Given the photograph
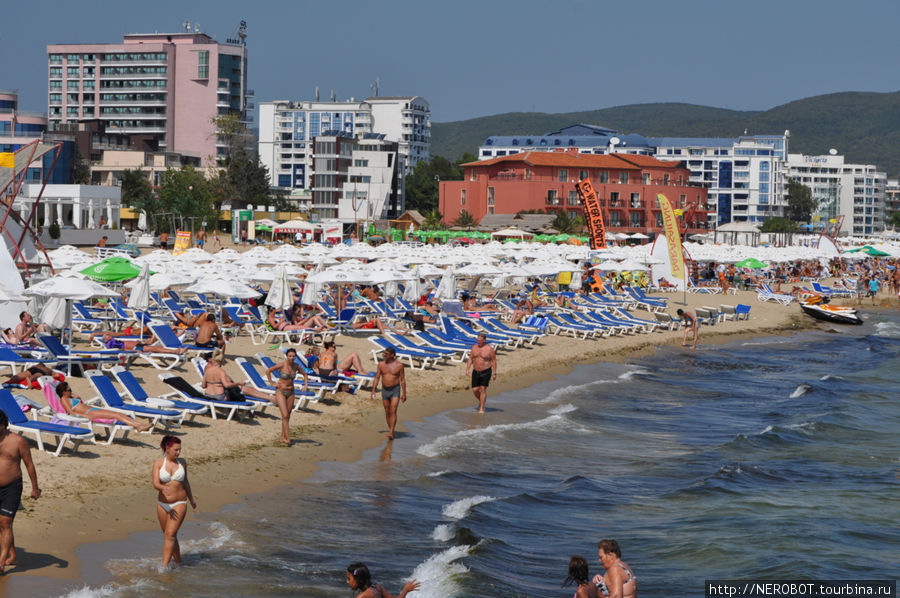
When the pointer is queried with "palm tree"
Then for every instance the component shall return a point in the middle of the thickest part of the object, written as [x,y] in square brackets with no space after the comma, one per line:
[563,223]
[433,220]
[464,220]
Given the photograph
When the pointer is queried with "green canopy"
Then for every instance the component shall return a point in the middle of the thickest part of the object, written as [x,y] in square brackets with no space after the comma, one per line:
[478,234]
[112,269]
[264,227]
[543,238]
[751,262]
[869,250]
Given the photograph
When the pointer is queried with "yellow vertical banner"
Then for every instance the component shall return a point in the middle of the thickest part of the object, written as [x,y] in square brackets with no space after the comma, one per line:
[7,160]
[593,214]
[182,242]
[673,237]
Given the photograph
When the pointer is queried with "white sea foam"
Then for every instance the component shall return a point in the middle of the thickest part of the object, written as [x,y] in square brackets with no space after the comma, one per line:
[564,392]
[443,532]
[766,430]
[88,592]
[888,329]
[766,342]
[476,436]
[438,575]
[567,408]
[437,474]
[460,508]
[830,377]
[801,390]
[220,538]
[632,373]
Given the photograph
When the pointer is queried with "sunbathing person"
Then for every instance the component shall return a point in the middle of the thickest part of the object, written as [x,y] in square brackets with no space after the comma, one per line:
[75,406]
[216,381]
[330,365]
[276,323]
[111,342]
[188,321]
[523,308]
[28,377]
[9,337]
[375,322]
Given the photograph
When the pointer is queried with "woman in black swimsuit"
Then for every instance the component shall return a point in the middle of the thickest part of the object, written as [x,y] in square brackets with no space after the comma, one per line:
[284,390]
[359,579]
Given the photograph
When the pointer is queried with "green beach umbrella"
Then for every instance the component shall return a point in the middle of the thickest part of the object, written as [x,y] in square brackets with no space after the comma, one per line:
[112,269]
[752,263]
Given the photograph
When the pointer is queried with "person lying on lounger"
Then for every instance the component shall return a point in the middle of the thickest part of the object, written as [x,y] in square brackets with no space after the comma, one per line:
[76,406]
[375,322]
[189,321]
[275,323]
[28,377]
[111,342]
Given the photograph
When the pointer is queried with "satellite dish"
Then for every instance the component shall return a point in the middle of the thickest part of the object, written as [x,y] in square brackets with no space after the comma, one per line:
[833,152]
[614,141]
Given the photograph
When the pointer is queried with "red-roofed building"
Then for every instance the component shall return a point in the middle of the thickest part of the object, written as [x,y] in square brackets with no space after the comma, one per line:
[626,186]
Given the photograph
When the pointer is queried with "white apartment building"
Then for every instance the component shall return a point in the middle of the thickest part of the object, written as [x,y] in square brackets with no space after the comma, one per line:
[854,191]
[287,130]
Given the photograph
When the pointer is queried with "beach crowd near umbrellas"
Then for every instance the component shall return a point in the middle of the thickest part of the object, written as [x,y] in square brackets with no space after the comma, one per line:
[230,273]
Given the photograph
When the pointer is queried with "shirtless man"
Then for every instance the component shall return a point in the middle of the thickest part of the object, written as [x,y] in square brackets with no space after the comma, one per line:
[483,365]
[691,323]
[206,330]
[393,387]
[26,329]
[13,451]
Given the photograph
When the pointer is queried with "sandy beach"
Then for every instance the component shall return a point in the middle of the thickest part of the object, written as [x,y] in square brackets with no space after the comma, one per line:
[103,493]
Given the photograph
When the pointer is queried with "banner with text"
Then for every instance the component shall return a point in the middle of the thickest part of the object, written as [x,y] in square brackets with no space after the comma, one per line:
[673,237]
[593,214]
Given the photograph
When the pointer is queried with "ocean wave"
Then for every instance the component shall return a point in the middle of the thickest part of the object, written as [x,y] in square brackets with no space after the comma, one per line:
[800,391]
[566,391]
[88,592]
[437,474]
[772,341]
[887,329]
[830,377]
[439,574]
[632,373]
[465,438]
[461,508]
[443,532]
[562,409]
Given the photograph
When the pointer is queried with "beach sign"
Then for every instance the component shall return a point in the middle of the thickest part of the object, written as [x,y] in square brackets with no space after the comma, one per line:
[673,238]
[182,242]
[593,214]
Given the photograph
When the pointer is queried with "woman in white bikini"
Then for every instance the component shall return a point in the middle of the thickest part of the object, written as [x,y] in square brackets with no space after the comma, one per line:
[170,479]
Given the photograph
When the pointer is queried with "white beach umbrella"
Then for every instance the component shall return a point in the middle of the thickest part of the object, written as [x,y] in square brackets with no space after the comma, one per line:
[69,288]
[280,296]
[340,276]
[142,221]
[311,290]
[54,313]
[413,289]
[447,287]
[629,265]
[221,287]
[140,291]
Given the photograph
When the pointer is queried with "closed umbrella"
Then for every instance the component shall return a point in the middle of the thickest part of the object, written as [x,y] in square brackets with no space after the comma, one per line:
[280,296]
[140,291]
[447,287]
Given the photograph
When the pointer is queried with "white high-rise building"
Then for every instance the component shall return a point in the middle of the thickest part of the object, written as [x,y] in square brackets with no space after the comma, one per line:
[854,191]
[287,130]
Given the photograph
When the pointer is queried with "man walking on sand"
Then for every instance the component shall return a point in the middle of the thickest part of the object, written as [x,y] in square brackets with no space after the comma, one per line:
[483,364]
[392,375]
[13,451]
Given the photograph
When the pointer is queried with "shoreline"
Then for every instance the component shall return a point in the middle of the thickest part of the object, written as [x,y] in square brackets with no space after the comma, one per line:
[223,477]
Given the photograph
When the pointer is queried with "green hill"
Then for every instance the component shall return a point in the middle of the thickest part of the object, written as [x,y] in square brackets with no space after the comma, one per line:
[864,127]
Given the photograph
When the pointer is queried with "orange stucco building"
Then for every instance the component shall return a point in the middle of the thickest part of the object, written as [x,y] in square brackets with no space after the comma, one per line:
[626,185]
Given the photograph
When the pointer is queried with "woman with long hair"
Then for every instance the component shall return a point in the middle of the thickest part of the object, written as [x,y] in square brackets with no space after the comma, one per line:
[75,406]
[578,574]
[360,580]
[169,477]
[284,389]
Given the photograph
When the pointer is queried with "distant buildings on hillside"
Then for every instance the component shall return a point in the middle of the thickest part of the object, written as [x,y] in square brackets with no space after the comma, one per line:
[289,134]
[745,178]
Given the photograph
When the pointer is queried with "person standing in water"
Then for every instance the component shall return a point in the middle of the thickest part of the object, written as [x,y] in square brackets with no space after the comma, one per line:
[169,477]
[691,324]
[360,580]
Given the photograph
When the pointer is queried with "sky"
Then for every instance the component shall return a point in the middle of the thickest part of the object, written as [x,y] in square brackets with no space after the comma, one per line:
[478,58]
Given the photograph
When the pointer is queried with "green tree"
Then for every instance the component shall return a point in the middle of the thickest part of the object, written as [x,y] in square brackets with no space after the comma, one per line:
[186,192]
[464,220]
[245,180]
[422,186]
[563,223]
[800,202]
[137,192]
[777,224]
[895,220]
[433,220]
[81,170]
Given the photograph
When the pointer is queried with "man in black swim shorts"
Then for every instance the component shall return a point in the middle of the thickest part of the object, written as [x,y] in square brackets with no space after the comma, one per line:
[483,364]
[13,451]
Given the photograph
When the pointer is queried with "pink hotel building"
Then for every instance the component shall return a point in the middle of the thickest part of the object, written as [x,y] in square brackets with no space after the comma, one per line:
[168,86]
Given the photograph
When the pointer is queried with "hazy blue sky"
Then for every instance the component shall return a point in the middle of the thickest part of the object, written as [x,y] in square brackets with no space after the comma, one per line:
[477,58]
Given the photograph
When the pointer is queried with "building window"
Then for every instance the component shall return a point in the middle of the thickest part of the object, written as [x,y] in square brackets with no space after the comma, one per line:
[613,198]
[462,197]
[665,179]
[603,177]
[72,85]
[573,198]
[552,198]
[490,196]
[582,175]
[56,71]
[562,175]
[635,200]
[623,178]
[682,199]
[645,178]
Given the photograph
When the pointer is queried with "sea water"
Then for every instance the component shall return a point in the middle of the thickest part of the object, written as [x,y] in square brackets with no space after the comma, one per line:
[773,458]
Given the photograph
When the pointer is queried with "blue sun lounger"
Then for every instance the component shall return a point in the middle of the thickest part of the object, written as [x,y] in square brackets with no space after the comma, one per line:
[139,396]
[110,396]
[18,422]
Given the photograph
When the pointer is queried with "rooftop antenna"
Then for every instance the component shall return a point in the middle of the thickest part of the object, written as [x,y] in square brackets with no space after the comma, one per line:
[613,142]
[833,152]
[377,85]
[196,27]
[187,26]
[333,96]
[317,93]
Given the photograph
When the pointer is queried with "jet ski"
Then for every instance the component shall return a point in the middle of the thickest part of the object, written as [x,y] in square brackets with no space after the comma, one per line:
[818,308]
